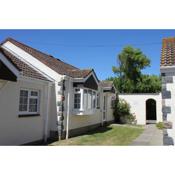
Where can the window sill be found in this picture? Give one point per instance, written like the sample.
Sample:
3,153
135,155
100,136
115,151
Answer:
28,115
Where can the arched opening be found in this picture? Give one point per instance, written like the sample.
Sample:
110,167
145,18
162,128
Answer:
151,111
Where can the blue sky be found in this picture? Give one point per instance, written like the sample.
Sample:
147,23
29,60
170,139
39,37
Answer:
96,49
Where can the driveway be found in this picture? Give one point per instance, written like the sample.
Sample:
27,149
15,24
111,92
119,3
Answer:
151,136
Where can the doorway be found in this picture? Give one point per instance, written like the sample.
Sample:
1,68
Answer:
151,111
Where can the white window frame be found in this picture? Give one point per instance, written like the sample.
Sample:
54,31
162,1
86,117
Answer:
82,107
79,93
27,112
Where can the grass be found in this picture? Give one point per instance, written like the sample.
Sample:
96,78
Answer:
110,135
160,125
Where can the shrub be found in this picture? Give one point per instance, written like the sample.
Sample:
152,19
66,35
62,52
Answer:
122,112
160,125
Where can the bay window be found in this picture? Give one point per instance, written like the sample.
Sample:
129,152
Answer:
28,101
84,100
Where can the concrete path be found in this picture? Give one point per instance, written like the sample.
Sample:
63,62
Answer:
151,136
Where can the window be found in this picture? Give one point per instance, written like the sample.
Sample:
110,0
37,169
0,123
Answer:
93,99
84,99
29,102
23,101
77,98
89,104
98,100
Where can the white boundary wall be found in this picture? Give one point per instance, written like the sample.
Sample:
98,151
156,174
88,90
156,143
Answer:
138,105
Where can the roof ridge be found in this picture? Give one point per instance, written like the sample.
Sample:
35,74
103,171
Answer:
36,50
57,65
81,70
13,40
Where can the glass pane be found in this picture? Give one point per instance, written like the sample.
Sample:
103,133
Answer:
34,93
22,107
33,105
89,99
77,98
23,93
85,99
23,101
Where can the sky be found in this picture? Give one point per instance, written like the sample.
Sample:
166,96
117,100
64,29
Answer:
97,49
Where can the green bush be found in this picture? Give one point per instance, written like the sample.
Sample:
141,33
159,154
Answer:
160,125
122,112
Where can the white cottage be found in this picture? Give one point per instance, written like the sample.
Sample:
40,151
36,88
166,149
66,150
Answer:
42,97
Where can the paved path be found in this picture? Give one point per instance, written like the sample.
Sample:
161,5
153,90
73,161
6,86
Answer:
151,136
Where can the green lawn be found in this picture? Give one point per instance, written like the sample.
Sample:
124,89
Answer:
111,135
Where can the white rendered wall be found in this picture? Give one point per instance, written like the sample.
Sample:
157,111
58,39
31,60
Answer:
45,71
138,105
15,130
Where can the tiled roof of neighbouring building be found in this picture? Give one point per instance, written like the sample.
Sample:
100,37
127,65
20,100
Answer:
106,84
168,52
54,63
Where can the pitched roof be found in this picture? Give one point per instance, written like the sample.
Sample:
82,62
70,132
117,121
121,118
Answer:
54,63
22,67
168,52
81,73
106,84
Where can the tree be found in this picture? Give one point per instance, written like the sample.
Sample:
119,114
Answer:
129,78
149,84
